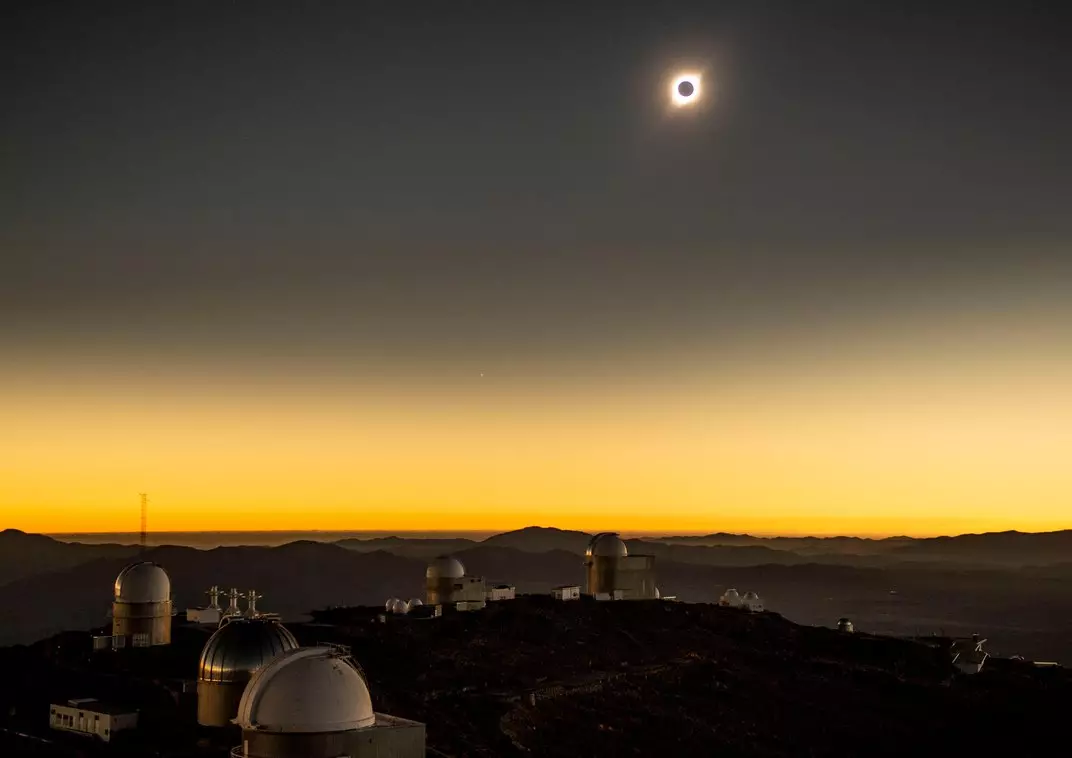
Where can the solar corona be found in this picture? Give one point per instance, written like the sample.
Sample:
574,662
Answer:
685,89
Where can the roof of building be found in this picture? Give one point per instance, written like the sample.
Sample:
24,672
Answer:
142,582
240,647
92,705
309,689
607,544
445,567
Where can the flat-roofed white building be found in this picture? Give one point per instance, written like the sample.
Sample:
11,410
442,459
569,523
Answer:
91,717
502,592
567,592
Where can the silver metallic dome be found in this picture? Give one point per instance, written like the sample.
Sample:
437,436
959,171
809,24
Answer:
142,582
240,647
445,567
306,690
607,544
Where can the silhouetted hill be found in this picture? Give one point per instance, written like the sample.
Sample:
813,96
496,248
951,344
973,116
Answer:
23,555
293,579
422,548
1009,548
539,677
541,539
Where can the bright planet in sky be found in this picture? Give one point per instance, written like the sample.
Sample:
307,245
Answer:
685,89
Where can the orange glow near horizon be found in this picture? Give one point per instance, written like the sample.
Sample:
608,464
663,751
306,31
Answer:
825,452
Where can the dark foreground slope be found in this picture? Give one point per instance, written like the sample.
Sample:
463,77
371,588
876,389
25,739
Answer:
542,678
535,677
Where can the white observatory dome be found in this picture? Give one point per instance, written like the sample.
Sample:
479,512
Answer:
731,598
414,602
658,594
445,567
389,606
142,583
752,601
307,689
607,544
397,606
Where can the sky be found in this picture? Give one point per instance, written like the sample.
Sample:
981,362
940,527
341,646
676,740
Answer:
462,266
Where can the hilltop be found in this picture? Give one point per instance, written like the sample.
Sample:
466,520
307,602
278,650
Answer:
539,677
1023,610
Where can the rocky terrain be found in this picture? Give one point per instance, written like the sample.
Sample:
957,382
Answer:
539,677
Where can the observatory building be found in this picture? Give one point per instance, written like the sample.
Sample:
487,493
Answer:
752,602
230,657
612,574
141,612
313,702
447,584
731,598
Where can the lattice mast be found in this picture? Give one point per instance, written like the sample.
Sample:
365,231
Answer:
144,541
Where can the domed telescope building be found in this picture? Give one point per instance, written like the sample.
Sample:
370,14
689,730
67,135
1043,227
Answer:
612,574
447,584
313,702
141,611
228,661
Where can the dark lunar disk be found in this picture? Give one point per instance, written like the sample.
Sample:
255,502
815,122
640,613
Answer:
685,89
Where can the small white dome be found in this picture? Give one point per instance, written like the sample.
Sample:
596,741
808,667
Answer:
142,583
730,598
607,544
414,602
445,567
752,601
398,606
658,595
389,606
307,689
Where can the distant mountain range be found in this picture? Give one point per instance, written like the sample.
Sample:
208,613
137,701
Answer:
1016,588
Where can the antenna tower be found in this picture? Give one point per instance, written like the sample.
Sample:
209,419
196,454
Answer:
144,521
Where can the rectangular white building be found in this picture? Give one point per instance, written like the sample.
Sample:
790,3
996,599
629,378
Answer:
210,616
502,592
92,717
567,592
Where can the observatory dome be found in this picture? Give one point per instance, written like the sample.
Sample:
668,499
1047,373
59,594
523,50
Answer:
240,647
445,567
395,605
307,689
415,602
607,544
142,583
731,598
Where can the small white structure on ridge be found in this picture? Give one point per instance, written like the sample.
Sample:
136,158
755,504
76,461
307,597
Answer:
730,599
752,602
502,592
210,614
567,592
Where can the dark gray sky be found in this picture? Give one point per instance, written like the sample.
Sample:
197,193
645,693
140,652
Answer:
428,182
444,265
